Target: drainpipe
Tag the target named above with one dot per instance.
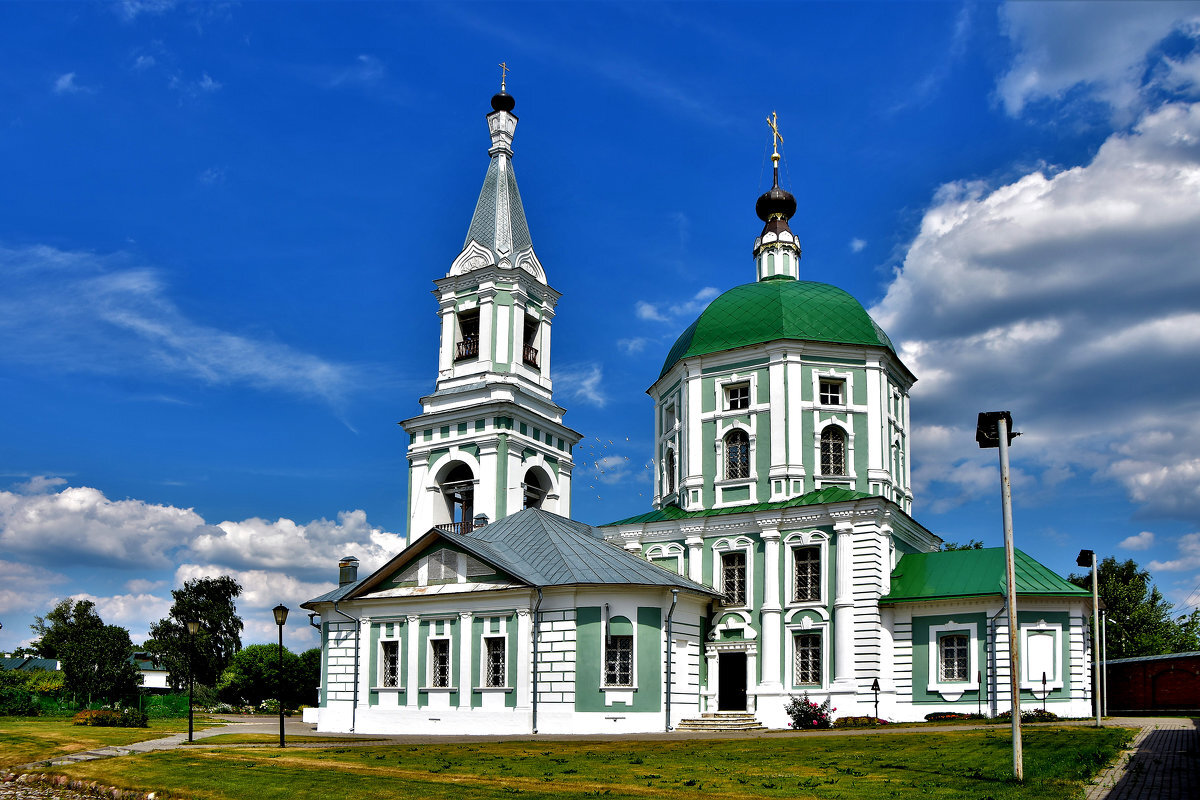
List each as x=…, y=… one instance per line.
x=667, y=654
x=354, y=705
x=536, y=610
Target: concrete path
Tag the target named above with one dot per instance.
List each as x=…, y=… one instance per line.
x=1162, y=763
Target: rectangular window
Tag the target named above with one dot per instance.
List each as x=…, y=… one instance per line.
x=468, y=335
x=831, y=392
x=733, y=578
x=737, y=397
x=495, y=673
x=529, y=351
x=439, y=667
x=953, y=663
x=808, y=573
x=618, y=661
x=390, y=672
x=808, y=659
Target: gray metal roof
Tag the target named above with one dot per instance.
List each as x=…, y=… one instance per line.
x=1163, y=657
x=499, y=220
x=26, y=663
x=537, y=548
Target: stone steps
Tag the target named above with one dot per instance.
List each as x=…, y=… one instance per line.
x=721, y=721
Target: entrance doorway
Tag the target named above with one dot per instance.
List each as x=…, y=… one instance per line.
x=731, y=682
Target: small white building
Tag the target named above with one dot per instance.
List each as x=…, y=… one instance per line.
x=780, y=555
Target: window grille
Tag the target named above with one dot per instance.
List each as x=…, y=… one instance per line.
x=808, y=659
x=737, y=454
x=953, y=664
x=737, y=397
x=497, y=675
x=440, y=668
x=808, y=573
x=733, y=575
x=618, y=661
x=831, y=393
x=833, y=451
x=391, y=663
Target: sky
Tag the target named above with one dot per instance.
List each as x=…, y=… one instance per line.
x=220, y=224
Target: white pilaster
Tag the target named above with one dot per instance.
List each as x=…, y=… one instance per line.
x=465, y=642
x=695, y=545
x=843, y=609
x=412, y=681
x=525, y=665
x=771, y=610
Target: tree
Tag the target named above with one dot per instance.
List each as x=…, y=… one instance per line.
x=209, y=601
x=95, y=657
x=972, y=544
x=310, y=675
x=1140, y=618
x=253, y=676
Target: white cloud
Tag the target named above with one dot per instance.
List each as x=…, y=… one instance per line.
x=648, y=311
x=1189, y=555
x=65, y=84
x=582, y=382
x=670, y=311
x=212, y=176
x=262, y=590
x=633, y=345
x=144, y=62
x=1102, y=48
x=366, y=69
x=1072, y=298
x=1141, y=541
x=134, y=612
x=207, y=84
x=858, y=245
x=26, y=588
x=143, y=586
x=130, y=10
x=73, y=311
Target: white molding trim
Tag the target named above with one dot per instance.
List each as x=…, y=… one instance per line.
x=953, y=690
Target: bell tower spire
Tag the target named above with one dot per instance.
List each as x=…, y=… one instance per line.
x=490, y=439
x=776, y=250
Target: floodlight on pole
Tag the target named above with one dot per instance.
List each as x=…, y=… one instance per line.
x=994, y=429
x=1087, y=558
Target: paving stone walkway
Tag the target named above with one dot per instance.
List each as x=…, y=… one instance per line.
x=1161, y=764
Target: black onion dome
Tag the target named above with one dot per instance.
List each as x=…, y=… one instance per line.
x=503, y=101
x=775, y=203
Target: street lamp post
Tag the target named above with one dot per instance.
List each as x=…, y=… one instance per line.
x=280, y=611
x=193, y=627
x=994, y=429
x=1087, y=558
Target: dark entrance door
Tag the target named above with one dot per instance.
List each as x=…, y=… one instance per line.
x=731, y=682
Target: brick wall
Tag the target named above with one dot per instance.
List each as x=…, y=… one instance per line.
x=1155, y=683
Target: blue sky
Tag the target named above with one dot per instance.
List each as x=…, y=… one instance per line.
x=220, y=223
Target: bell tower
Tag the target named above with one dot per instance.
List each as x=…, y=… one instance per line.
x=490, y=440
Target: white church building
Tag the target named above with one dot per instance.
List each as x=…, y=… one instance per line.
x=780, y=556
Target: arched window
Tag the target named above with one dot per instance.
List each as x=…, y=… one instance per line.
x=670, y=469
x=833, y=451
x=458, y=488
x=534, y=488
x=737, y=454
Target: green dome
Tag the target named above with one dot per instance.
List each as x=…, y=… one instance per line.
x=779, y=308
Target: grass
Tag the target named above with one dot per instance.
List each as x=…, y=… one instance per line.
x=969, y=764
x=262, y=738
x=27, y=739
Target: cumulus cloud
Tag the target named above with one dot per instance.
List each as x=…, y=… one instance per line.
x=858, y=245
x=1104, y=49
x=65, y=84
x=582, y=382
x=1071, y=297
x=262, y=590
x=1189, y=555
x=76, y=311
x=26, y=588
x=1141, y=541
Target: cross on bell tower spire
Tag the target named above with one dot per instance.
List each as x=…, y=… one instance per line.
x=776, y=250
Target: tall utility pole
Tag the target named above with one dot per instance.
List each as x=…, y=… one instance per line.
x=1087, y=558
x=994, y=429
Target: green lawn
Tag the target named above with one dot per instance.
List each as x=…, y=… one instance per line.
x=27, y=739
x=970, y=764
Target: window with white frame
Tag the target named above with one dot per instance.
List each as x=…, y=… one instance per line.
x=495, y=672
x=618, y=660
x=832, y=392
x=833, y=451
x=737, y=454
x=807, y=582
x=807, y=666
x=737, y=396
x=733, y=578
x=389, y=658
x=667, y=556
x=953, y=658
x=439, y=663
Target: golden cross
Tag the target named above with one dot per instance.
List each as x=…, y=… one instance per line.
x=776, y=136
x=503, y=73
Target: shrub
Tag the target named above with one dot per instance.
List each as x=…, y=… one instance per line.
x=16, y=702
x=807, y=715
x=111, y=718
x=941, y=716
x=859, y=722
x=1029, y=715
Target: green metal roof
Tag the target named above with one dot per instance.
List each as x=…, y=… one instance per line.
x=972, y=573
x=778, y=308
x=830, y=494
